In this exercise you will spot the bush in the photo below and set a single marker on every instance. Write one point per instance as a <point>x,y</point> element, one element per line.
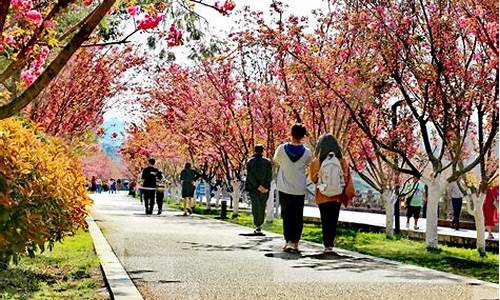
<point>42,195</point>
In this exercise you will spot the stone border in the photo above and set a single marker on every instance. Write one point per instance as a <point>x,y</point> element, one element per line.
<point>120,285</point>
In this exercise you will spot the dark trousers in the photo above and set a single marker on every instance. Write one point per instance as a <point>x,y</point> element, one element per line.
<point>292,213</point>
<point>457,208</point>
<point>159,200</point>
<point>259,201</point>
<point>149,200</point>
<point>329,212</point>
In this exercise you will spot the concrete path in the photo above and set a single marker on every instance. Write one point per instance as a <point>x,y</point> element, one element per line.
<point>175,257</point>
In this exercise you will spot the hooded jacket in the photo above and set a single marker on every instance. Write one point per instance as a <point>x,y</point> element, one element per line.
<point>292,161</point>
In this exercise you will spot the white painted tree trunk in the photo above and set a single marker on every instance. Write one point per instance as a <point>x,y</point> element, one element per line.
<point>477,213</point>
<point>236,196</point>
<point>208,194</point>
<point>436,189</point>
<point>389,198</point>
<point>218,197</point>
<point>270,203</point>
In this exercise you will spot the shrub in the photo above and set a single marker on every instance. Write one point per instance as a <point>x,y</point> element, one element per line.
<point>42,195</point>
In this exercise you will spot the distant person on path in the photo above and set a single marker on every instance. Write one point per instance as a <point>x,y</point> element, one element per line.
<point>415,201</point>
<point>119,185</point>
<point>257,184</point>
<point>490,210</point>
<point>456,201</point>
<point>188,177</point>
<point>330,172</point>
<point>99,185</point>
<point>112,186</point>
<point>132,188</point>
<point>93,184</point>
<point>292,159</point>
<point>149,176</point>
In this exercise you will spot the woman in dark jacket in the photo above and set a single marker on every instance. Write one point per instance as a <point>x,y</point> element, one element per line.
<point>188,177</point>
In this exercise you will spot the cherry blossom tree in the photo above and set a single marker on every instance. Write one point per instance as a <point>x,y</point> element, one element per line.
<point>75,101</point>
<point>39,37</point>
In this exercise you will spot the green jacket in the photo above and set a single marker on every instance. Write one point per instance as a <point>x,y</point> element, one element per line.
<point>259,172</point>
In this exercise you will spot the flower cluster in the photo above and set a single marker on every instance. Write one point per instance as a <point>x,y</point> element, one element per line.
<point>174,38</point>
<point>226,7</point>
<point>150,21</point>
<point>29,76</point>
<point>133,10</point>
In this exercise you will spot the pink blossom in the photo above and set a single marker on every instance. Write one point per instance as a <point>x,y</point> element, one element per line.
<point>462,22</point>
<point>8,39</point>
<point>133,10</point>
<point>28,77</point>
<point>49,24</point>
<point>226,7</point>
<point>149,21</point>
<point>22,4</point>
<point>34,16</point>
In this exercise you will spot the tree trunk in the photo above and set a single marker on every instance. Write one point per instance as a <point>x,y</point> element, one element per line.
<point>478,215</point>
<point>236,197</point>
<point>388,198</point>
<point>270,203</point>
<point>208,194</point>
<point>436,189</point>
<point>218,197</point>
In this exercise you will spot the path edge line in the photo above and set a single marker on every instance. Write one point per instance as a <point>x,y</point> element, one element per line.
<point>119,284</point>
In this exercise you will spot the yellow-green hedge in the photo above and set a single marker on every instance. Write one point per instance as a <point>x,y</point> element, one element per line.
<point>42,195</point>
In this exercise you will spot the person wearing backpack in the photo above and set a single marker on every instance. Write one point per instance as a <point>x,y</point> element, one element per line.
<point>292,159</point>
<point>257,184</point>
<point>415,201</point>
<point>330,172</point>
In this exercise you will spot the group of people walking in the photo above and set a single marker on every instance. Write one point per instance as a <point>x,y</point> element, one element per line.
<point>327,169</point>
<point>111,186</point>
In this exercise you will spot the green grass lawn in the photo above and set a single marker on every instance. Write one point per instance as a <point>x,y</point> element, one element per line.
<point>69,271</point>
<point>461,261</point>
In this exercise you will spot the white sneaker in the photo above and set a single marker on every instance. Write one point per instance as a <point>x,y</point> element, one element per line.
<point>288,247</point>
<point>328,250</point>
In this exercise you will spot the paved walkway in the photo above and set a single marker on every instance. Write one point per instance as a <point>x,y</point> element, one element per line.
<point>175,257</point>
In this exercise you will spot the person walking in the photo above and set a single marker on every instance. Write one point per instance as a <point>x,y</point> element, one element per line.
<point>415,201</point>
<point>257,184</point>
<point>188,177</point>
<point>330,172</point>
<point>149,176</point>
<point>99,185</point>
<point>112,186</point>
<point>456,201</point>
<point>292,159</point>
<point>93,184</point>
<point>119,185</point>
<point>490,210</point>
<point>132,188</point>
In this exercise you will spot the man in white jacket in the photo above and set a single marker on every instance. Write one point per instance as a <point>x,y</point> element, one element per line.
<point>293,159</point>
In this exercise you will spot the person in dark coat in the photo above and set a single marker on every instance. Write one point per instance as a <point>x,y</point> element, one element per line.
<point>257,184</point>
<point>149,176</point>
<point>188,177</point>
